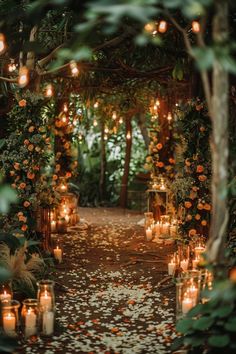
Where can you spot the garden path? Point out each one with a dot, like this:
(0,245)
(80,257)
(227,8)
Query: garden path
(107,293)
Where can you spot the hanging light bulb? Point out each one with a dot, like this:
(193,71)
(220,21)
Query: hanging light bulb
(96,104)
(162,27)
(106,130)
(12,66)
(74,68)
(128,136)
(121,120)
(65,108)
(23,77)
(169,116)
(195,26)
(157,103)
(49,90)
(63,118)
(114,115)
(105,137)
(95,123)
(2,43)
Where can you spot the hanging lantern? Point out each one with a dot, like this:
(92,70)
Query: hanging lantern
(105,137)
(95,123)
(162,27)
(74,68)
(23,77)
(121,120)
(65,108)
(196,27)
(49,90)
(128,136)
(2,43)
(96,104)
(169,116)
(106,130)
(114,115)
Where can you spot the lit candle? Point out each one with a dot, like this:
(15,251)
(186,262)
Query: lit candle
(9,323)
(58,254)
(195,263)
(5,296)
(48,323)
(158,228)
(171,267)
(46,300)
(165,228)
(63,187)
(187,304)
(173,230)
(53,226)
(149,234)
(67,218)
(199,250)
(30,323)
(193,293)
(184,264)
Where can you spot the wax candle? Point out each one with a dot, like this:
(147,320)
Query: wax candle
(9,323)
(171,267)
(149,234)
(53,226)
(184,264)
(58,254)
(158,229)
(198,251)
(193,293)
(46,300)
(30,323)
(5,296)
(67,218)
(48,323)
(165,228)
(195,263)
(173,230)
(187,304)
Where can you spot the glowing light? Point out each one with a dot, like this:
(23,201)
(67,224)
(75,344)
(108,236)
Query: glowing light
(121,120)
(65,108)
(169,116)
(196,27)
(64,119)
(80,137)
(162,27)
(128,136)
(157,103)
(12,67)
(49,90)
(150,27)
(95,123)
(23,78)
(96,104)
(74,68)
(105,137)
(106,130)
(2,43)
(114,115)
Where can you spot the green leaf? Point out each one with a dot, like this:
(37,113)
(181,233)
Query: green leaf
(7,344)
(221,312)
(5,274)
(7,196)
(184,325)
(203,323)
(194,340)
(204,57)
(219,341)
(177,344)
(231,325)
(195,310)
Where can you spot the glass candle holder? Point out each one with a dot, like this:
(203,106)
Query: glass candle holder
(30,317)
(148,219)
(46,300)
(5,292)
(187,292)
(58,251)
(10,317)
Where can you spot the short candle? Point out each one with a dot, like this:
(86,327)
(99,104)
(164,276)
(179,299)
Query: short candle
(5,296)
(58,254)
(9,323)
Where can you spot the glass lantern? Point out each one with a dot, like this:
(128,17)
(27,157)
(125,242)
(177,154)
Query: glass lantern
(30,317)
(46,300)
(10,317)
(187,292)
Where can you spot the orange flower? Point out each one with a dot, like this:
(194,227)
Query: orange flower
(68,174)
(36,168)
(202,129)
(187,205)
(25,162)
(204,222)
(189,217)
(67,145)
(202,178)
(22,218)
(159,146)
(26,142)
(192,232)
(195,189)
(160,164)
(31,129)
(16,166)
(171,160)
(200,206)
(200,168)
(30,175)
(20,213)
(26,204)
(38,148)
(22,185)
(197,216)
(31,147)
(207,207)
(232,274)
(187,162)
(54,177)
(12,173)
(13,185)
(22,103)
(24,227)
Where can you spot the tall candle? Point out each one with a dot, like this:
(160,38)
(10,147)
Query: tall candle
(5,296)
(53,226)
(193,293)
(30,323)
(48,323)
(149,234)
(58,254)
(171,267)
(187,304)
(46,300)
(184,264)
(9,323)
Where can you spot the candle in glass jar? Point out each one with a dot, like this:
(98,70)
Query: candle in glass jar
(173,230)
(9,323)
(171,267)
(193,293)
(158,229)
(5,296)
(48,323)
(67,218)
(195,263)
(198,251)
(53,226)
(58,254)
(149,234)
(165,228)
(187,304)
(30,323)
(46,300)
(184,264)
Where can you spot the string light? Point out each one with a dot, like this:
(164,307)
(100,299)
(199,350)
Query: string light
(195,26)
(74,68)
(114,115)
(12,66)
(95,123)
(63,118)
(96,104)
(106,130)
(169,116)
(115,130)
(65,108)
(128,136)
(23,78)
(49,90)
(2,43)
(157,103)
(162,27)
(121,120)
(105,137)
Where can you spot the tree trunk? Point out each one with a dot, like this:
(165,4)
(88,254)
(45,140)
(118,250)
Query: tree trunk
(125,178)
(102,181)
(219,143)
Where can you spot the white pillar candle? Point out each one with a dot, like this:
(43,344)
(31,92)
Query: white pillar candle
(184,264)
(53,226)
(30,323)
(187,304)
(58,254)
(48,323)
(5,296)
(9,323)
(149,234)
(171,267)
(46,300)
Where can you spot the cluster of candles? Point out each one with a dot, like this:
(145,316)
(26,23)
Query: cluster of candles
(160,228)
(190,296)
(35,313)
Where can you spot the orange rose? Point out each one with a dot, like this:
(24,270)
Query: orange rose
(31,129)
(192,232)
(22,103)
(202,129)
(202,178)
(171,160)
(26,142)
(30,175)
(187,205)
(200,168)
(26,204)
(54,177)
(12,173)
(197,216)
(187,162)
(159,146)
(22,218)
(232,274)
(25,162)
(16,166)
(68,174)
(38,148)
(189,217)
(200,206)
(67,145)
(36,168)
(31,147)
(13,185)
(204,222)
(24,227)
(22,185)
(160,164)
(207,207)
